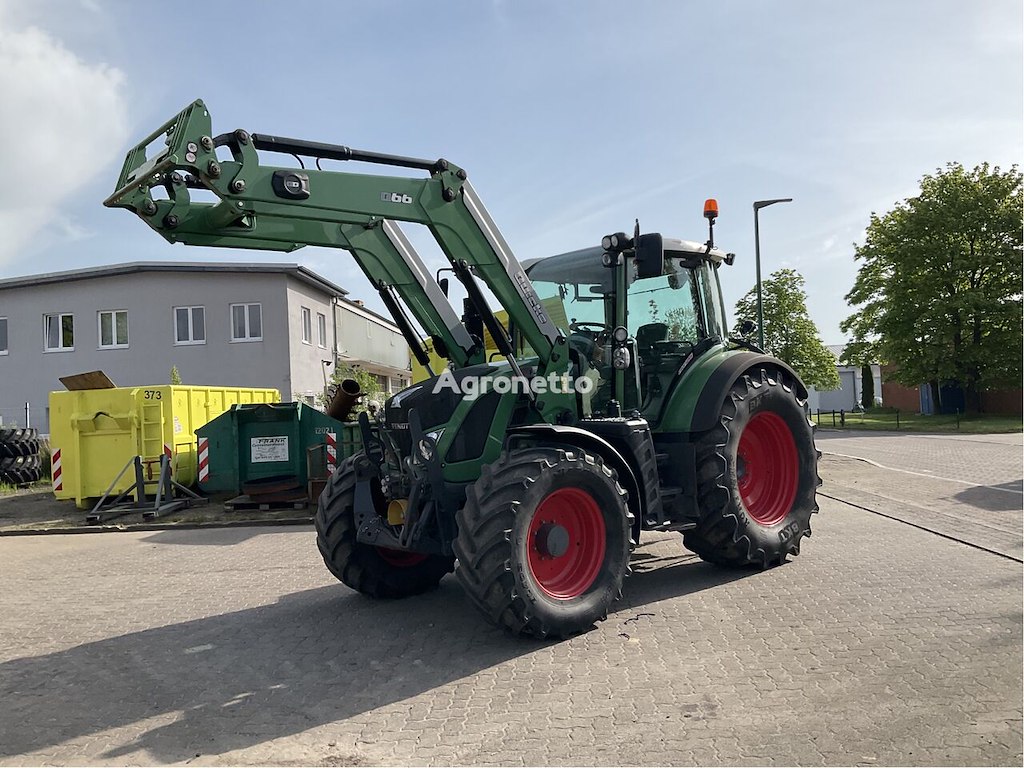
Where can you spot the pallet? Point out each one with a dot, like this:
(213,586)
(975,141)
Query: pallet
(265,503)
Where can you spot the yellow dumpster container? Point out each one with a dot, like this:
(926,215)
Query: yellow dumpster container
(95,432)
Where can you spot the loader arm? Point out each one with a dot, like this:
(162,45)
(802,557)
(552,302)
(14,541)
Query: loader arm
(388,260)
(284,208)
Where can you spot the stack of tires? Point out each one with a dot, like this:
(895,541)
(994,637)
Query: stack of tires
(20,462)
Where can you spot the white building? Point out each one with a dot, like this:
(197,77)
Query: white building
(848,396)
(219,324)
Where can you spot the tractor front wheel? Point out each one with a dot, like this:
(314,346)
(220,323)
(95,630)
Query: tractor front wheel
(757,475)
(544,540)
(374,571)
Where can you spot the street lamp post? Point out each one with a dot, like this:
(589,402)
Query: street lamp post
(758,205)
(324,365)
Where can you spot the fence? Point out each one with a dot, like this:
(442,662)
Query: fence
(878,420)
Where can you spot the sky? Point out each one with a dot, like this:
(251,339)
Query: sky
(572,118)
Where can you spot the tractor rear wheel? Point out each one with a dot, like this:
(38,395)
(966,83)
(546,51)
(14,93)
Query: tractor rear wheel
(544,540)
(757,475)
(374,571)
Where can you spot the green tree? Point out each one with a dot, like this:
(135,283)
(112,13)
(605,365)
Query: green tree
(175,376)
(867,386)
(789,332)
(939,287)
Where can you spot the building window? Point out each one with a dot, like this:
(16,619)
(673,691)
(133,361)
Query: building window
(189,325)
(397,383)
(58,332)
(246,322)
(3,335)
(307,326)
(113,329)
(321,330)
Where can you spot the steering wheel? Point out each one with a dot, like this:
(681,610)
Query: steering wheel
(592,331)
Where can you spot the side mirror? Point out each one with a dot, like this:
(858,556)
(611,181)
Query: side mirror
(747,328)
(443,282)
(650,255)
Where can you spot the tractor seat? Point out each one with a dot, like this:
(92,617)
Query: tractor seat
(647,336)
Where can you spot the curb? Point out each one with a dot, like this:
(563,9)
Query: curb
(157,527)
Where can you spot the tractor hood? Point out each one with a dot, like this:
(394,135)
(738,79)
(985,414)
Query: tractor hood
(436,399)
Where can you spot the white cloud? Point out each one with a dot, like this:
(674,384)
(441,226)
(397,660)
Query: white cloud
(64,119)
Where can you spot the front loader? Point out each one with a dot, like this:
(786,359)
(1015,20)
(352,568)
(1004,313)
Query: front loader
(608,399)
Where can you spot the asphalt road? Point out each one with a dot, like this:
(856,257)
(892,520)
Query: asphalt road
(881,644)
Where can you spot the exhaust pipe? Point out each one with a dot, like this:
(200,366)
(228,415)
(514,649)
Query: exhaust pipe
(344,400)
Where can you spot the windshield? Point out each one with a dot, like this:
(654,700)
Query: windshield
(571,303)
(576,288)
(665,308)
(667,316)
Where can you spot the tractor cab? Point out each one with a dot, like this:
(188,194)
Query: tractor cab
(671,318)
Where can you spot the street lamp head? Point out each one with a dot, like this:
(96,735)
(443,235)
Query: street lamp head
(759,204)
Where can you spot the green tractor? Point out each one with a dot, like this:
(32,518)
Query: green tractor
(604,400)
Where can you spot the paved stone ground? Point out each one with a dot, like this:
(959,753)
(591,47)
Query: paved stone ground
(881,644)
(985,460)
(923,480)
(987,517)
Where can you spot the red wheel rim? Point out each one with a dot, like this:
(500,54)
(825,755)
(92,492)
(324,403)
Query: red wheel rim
(566,543)
(400,558)
(768,468)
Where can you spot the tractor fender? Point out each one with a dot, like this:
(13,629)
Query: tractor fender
(695,401)
(709,403)
(588,441)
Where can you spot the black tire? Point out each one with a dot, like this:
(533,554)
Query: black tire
(21,475)
(30,462)
(27,447)
(21,470)
(19,434)
(757,476)
(10,470)
(365,568)
(18,442)
(508,570)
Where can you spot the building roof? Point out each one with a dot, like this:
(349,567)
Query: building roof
(295,270)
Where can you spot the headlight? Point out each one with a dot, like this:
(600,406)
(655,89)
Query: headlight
(428,444)
(426,448)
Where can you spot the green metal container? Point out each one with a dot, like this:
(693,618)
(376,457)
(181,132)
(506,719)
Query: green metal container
(264,442)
